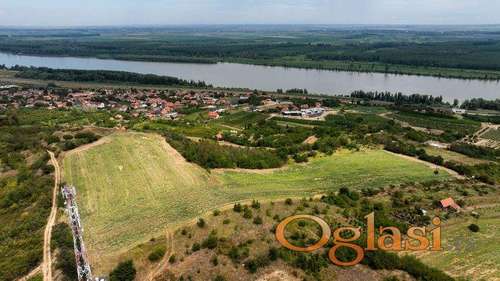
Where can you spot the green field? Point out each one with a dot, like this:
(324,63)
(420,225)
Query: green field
(132,186)
(449,155)
(467,254)
(439,123)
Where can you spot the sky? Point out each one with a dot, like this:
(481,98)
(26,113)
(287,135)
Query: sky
(165,12)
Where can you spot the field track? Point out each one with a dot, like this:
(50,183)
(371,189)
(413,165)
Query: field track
(47,257)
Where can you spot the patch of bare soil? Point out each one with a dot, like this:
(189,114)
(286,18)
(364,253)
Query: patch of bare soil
(278,275)
(311,140)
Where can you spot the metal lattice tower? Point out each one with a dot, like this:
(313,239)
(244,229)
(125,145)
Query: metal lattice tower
(82,264)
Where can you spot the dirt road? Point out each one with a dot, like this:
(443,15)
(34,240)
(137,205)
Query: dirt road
(47,258)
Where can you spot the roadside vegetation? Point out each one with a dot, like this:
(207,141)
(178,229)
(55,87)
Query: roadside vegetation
(26,179)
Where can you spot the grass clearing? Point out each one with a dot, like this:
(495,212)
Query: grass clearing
(134,185)
(467,254)
(449,155)
(492,134)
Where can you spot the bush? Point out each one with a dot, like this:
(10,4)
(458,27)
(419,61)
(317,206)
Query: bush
(196,247)
(172,259)
(211,241)
(255,204)
(157,254)
(216,213)
(125,271)
(288,201)
(253,265)
(201,223)
(247,213)
(237,208)
(473,228)
(52,139)
(257,220)
(219,278)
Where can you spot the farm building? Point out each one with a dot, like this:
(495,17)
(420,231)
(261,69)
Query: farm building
(450,203)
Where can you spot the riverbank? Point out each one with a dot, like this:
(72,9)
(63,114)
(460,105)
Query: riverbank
(373,67)
(301,62)
(267,78)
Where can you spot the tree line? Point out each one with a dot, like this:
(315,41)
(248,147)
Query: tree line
(44,73)
(398,98)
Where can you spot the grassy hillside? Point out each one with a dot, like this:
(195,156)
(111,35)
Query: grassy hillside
(469,254)
(134,185)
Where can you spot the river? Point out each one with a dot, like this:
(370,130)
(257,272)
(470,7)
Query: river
(272,78)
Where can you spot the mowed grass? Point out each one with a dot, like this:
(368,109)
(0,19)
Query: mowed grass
(474,256)
(449,155)
(134,186)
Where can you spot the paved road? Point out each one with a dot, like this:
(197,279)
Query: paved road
(47,257)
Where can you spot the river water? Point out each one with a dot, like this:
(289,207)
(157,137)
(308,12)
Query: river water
(272,78)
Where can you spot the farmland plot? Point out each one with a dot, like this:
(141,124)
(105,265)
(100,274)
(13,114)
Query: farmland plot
(133,186)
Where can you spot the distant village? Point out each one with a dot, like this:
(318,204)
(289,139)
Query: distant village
(155,104)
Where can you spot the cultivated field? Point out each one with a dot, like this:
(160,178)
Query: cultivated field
(132,186)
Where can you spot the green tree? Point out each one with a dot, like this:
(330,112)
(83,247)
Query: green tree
(125,271)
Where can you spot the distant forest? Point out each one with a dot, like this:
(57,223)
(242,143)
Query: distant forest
(43,73)
(448,54)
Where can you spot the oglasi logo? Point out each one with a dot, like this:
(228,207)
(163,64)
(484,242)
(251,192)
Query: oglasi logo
(417,238)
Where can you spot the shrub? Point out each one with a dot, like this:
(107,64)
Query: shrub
(52,139)
(216,213)
(211,241)
(288,201)
(273,254)
(125,271)
(219,278)
(473,227)
(157,254)
(201,223)
(257,220)
(172,259)
(196,247)
(254,264)
(214,260)
(255,204)
(247,213)
(237,208)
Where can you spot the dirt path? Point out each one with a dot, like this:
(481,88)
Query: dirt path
(408,125)
(47,258)
(82,148)
(32,274)
(163,263)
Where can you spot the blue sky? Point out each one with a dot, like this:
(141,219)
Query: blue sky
(130,12)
